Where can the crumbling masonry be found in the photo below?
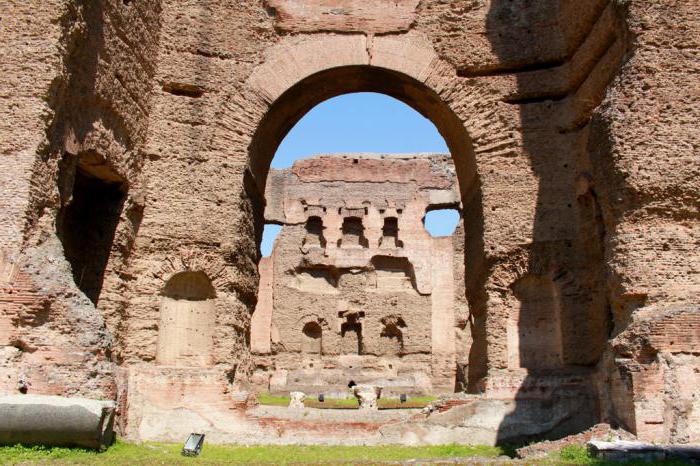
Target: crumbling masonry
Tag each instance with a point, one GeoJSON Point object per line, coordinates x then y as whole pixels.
{"type": "Point", "coordinates": [136, 140]}
{"type": "Point", "coordinates": [359, 292]}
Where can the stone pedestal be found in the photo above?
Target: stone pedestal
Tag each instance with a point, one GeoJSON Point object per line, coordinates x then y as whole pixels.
{"type": "Point", "coordinates": [367, 395]}
{"type": "Point", "coordinates": [296, 400]}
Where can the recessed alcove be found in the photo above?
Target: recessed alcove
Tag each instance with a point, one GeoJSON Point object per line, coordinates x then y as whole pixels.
{"type": "Point", "coordinates": [314, 232]}
{"type": "Point", "coordinates": [312, 338]}
{"type": "Point", "coordinates": [351, 333]}
{"type": "Point", "coordinates": [393, 274]}
{"type": "Point", "coordinates": [318, 280]}
{"type": "Point", "coordinates": [535, 334]}
{"type": "Point", "coordinates": [390, 233]}
{"type": "Point", "coordinates": [88, 222]}
{"type": "Point", "coordinates": [353, 233]}
{"type": "Point", "coordinates": [187, 321]}
{"type": "Point", "coordinates": [392, 336]}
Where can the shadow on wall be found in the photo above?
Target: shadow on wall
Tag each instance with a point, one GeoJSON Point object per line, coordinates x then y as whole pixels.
{"type": "Point", "coordinates": [87, 224]}
{"type": "Point", "coordinates": [559, 329]}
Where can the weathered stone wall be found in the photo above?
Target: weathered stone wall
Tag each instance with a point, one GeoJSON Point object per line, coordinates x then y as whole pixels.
{"type": "Point", "coordinates": [374, 303]}
{"type": "Point", "coordinates": [641, 153]}
{"type": "Point", "coordinates": [574, 155]}
{"type": "Point", "coordinates": [78, 90]}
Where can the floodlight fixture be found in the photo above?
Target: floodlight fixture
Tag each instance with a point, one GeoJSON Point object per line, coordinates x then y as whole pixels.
{"type": "Point", "coordinates": [193, 445]}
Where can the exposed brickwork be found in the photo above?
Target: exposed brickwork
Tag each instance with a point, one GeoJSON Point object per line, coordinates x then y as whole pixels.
{"type": "Point", "coordinates": [375, 307]}
{"type": "Point", "coordinates": [572, 127]}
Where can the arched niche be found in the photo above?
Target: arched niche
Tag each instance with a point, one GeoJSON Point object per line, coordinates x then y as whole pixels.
{"type": "Point", "coordinates": [534, 333]}
{"type": "Point", "coordinates": [187, 320]}
{"type": "Point", "coordinates": [312, 338]}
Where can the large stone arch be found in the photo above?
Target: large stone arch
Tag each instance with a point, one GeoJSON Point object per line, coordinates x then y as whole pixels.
{"type": "Point", "coordinates": [301, 72]}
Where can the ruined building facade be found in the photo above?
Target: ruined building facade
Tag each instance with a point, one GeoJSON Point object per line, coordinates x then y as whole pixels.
{"type": "Point", "coordinates": [356, 289]}
{"type": "Point", "coordinates": [135, 143]}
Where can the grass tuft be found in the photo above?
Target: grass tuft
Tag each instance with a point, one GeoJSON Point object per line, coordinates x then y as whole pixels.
{"type": "Point", "coordinates": [576, 454]}
{"type": "Point", "coordinates": [270, 400]}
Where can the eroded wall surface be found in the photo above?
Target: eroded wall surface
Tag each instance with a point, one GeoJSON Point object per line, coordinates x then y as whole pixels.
{"type": "Point", "coordinates": [360, 291]}
{"type": "Point", "coordinates": [572, 126]}
{"type": "Point", "coordinates": [75, 113]}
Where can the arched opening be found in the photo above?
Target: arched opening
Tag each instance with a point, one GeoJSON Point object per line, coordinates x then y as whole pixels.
{"type": "Point", "coordinates": [353, 228]}
{"type": "Point", "coordinates": [441, 222]}
{"type": "Point", "coordinates": [187, 321]}
{"type": "Point", "coordinates": [312, 339]}
{"type": "Point", "coordinates": [286, 111]}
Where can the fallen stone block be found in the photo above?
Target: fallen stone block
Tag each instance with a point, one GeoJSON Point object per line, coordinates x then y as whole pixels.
{"type": "Point", "coordinates": [482, 421]}
{"type": "Point", "coordinates": [599, 431]}
{"type": "Point", "coordinates": [56, 421]}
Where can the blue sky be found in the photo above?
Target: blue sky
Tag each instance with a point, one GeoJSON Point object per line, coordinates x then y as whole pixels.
{"type": "Point", "coordinates": [361, 122]}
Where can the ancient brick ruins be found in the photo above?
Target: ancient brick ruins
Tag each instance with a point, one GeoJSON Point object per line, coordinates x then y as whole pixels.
{"type": "Point", "coordinates": [357, 290]}
{"type": "Point", "coordinates": [136, 142]}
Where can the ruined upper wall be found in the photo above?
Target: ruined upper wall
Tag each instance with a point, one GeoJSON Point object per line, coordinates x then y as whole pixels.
{"type": "Point", "coordinates": [354, 262]}
{"type": "Point", "coordinates": [371, 188]}
{"type": "Point", "coordinates": [353, 179]}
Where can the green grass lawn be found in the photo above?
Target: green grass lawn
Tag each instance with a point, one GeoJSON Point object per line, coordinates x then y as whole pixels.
{"type": "Point", "coordinates": [127, 454]}
{"type": "Point", "coordinates": [333, 403]}
{"type": "Point", "coordinates": [123, 453]}
{"type": "Point", "coordinates": [269, 400]}
{"type": "Point", "coordinates": [329, 403]}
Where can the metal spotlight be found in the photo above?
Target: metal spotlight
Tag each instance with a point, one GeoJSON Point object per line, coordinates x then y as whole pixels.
{"type": "Point", "coordinates": [193, 445]}
{"type": "Point", "coordinates": [403, 397]}
{"type": "Point", "coordinates": [321, 398]}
